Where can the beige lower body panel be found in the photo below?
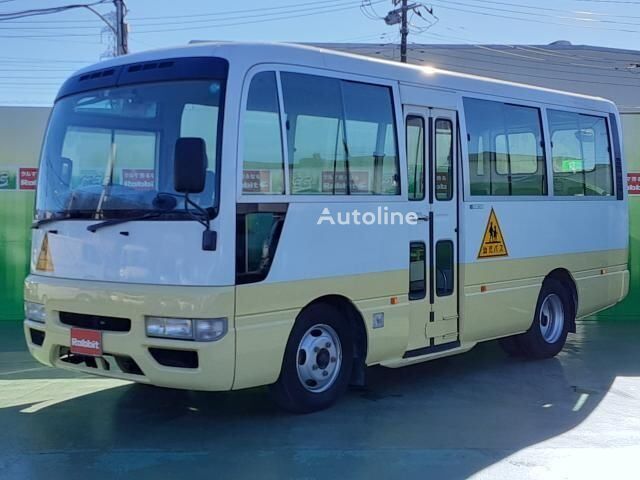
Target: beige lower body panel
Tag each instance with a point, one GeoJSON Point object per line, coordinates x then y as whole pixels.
{"type": "Point", "coordinates": [500, 295]}
{"type": "Point", "coordinates": [266, 312]}
{"type": "Point", "coordinates": [498, 298]}
{"type": "Point", "coordinates": [216, 359]}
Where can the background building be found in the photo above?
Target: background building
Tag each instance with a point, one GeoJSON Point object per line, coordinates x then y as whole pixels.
{"type": "Point", "coordinates": [603, 72]}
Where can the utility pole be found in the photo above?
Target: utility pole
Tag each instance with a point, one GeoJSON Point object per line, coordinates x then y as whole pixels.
{"type": "Point", "coordinates": [400, 16]}
{"type": "Point", "coordinates": [404, 32]}
{"type": "Point", "coordinates": [122, 43]}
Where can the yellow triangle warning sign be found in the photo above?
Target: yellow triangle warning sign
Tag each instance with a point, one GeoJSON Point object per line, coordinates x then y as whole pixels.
{"type": "Point", "coordinates": [493, 244]}
{"type": "Point", "coordinates": [45, 264]}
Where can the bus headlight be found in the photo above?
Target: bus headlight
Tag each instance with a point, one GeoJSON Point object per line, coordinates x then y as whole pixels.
{"type": "Point", "coordinates": [200, 329]}
{"type": "Point", "coordinates": [35, 312]}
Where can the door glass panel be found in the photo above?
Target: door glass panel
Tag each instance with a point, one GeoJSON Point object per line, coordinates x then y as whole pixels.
{"type": "Point", "coordinates": [444, 159]}
{"type": "Point", "coordinates": [417, 269]}
{"type": "Point", "coordinates": [444, 268]}
{"type": "Point", "coordinates": [415, 157]}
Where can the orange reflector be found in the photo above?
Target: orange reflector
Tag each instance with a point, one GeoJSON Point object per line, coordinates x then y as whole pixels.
{"type": "Point", "coordinates": [483, 288]}
{"type": "Point", "coordinates": [395, 300]}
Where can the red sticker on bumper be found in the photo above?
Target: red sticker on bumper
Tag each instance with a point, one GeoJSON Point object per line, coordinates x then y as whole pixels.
{"type": "Point", "coordinates": [86, 342]}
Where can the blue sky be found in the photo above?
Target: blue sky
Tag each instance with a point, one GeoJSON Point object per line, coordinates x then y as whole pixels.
{"type": "Point", "coordinates": [38, 53]}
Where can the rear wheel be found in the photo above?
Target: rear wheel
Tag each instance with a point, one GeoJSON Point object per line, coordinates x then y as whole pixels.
{"type": "Point", "coordinates": [554, 314]}
{"type": "Point", "coordinates": [317, 362]}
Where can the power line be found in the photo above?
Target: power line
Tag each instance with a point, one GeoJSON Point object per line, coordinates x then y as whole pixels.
{"type": "Point", "coordinates": [244, 11]}
{"type": "Point", "coordinates": [289, 10]}
{"type": "Point", "coordinates": [203, 15]}
{"type": "Point", "coordinates": [544, 15]}
{"type": "Point", "coordinates": [550, 9]}
{"type": "Point", "coordinates": [262, 20]}
{"type": "Point", "coordinates": [628, 2]}
{"type": "Point", "coordinates": [47, 11]}
{"type": "Point", "coordinates": [531, 20]}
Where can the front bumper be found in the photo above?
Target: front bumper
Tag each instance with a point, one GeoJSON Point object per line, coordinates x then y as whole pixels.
{"type": "Point", "coordinates": [215, 360]}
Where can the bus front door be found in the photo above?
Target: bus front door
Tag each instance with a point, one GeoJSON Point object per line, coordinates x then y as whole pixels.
{"type": "Point", "coordinates": [431, 158]}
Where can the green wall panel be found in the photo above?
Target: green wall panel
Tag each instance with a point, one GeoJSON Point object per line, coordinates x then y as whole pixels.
{"type": "Point", "coordinates": [630, 306]}
{"type": "Point", "coordinates": [16, 210]}
{"type": "Point", "coordinates": [21, 134]}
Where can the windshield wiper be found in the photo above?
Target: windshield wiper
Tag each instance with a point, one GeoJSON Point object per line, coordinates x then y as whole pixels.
{"type": "Point", "coordinates": [44, 221]}
{"type": "Point", "coordinates": [116, 221]}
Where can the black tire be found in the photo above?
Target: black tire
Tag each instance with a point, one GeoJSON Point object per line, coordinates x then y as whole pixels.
{"type": "Point", "coordinates": [289, 392]}
{"type": "Point", "coordinates": [511, 346]}
{"type": "Point", "coordinates": [532, 343]}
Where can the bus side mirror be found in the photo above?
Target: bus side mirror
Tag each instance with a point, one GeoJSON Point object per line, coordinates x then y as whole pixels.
{"type": "Point", "coordinates": [190, 165]}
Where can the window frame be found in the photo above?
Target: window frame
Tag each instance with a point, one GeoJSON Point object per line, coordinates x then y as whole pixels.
{"type": "Point", "coordinates": [543, 106]}
{"type": "Point", "coordinates": [240, 142]}
{"type": "Point", "coordinates": [288, 197]}
{"type": "Point", "coordinates": [540, 108]}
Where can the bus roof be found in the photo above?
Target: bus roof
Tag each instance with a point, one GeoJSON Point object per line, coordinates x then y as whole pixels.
{"type": "Point", "coordinates": [249, 54]}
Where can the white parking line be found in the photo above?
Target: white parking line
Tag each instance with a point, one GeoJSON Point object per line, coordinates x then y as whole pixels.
{"type": "Point", "coordinates": [13, 372]}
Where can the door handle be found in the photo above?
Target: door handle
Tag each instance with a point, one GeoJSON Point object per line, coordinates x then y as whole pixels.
{"type": "Point", "coordinates": [422, 217]}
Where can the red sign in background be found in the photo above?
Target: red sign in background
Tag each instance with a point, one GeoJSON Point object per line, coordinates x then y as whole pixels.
{"type": "Point", "coordinates": [256, 181]}
{"type": "Point", "coordinates": [27, 178]}
{"type": "Point", "coordinates": [139, 178]}
{"type": "Point", "coordinates": [633, 183]}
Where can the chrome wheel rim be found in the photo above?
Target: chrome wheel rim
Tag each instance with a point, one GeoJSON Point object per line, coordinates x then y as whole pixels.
{"type": "Point", "coordinates": [319, 358]}
{"type": "Point", "coordinates": [551, 318]}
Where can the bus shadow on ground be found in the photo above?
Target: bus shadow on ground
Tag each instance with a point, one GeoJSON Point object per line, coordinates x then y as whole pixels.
{"type": "Point", "coordinates": [448, 418]}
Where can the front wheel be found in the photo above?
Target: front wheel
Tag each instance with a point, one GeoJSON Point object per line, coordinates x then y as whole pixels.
{"type": "Point", "coordinates": [554, 314]}
{"type": "Point", "coordinates": [317, 362]}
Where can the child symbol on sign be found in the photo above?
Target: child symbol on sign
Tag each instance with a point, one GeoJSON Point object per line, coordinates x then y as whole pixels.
{"type": "Point", "coordinates": [493, 232]}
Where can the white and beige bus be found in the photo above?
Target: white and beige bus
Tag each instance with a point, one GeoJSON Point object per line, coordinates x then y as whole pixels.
{"type": "Point", "coordinates": [224, 216]}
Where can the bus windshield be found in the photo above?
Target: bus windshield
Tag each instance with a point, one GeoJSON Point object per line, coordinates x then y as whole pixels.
{"type": "Point", "coordinates": [109, 153]}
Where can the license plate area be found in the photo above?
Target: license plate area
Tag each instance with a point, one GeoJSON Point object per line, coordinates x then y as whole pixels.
{"type": "Point", "coordinates": [86, 342]}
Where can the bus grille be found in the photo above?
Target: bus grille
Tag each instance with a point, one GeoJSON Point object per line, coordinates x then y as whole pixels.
{"type": "Point", "coordinates": [95, 322]}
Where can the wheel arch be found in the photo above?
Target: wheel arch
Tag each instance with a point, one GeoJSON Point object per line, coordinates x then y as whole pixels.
{"type": "Point", "coordinates": [566, 279]}
{"type": "Point", "coordinates": [358, 329]}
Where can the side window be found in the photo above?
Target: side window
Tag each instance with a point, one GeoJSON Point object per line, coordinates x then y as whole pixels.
{"type": "Point", "coordinates": [340, 136]}
{"type": "Point", "coordinates": [372, 156]}
{"type": "Point", "coordinates": [581, 152]}
{"type": "Point", "coordinates": [444, 159]}
{"type": "Point", "coordinates": [257, 238]}
{"type": "Point", "coordinates": [415, 157]}
{"type": "Point", "coordinates": [417, 271]}
{"type": "Point", "coordinates": [263, 163]}
{"type": "Point", "coordinates": [444, 268]}
{"type": "Point", "coordinates": [506, 149]}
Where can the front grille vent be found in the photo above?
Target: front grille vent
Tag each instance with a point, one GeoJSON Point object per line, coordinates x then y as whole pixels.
{"type": "Point", "coordinates": [95, 322]}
